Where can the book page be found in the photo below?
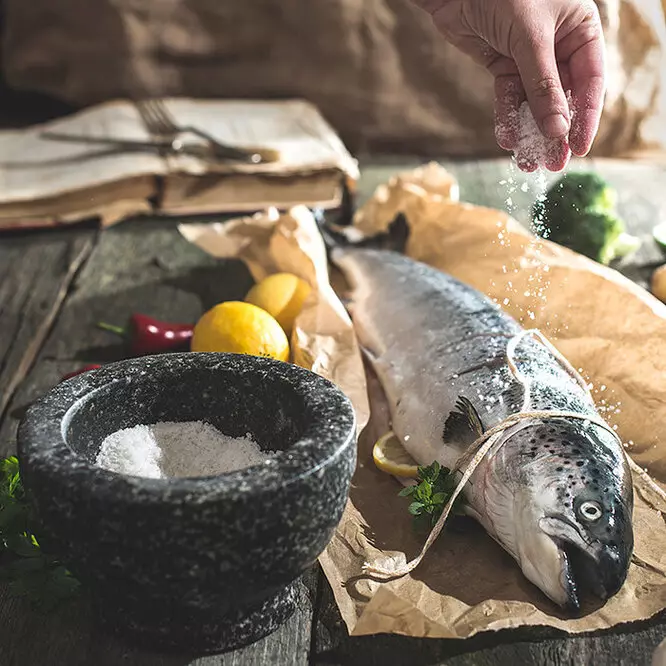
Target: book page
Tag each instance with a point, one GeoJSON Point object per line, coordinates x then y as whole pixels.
{"type": "Point", "coordinates": [32, 167]}
{"type": "Point", "coordinates": [295, 128]}
{"type": "Point", "coordinates": [234, 193]}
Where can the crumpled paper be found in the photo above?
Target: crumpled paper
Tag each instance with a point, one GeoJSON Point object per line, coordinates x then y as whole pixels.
{"type": "Point", "coordinates": [608, 327]}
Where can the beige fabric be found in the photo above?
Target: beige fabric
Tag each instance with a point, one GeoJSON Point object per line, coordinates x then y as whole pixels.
{"type": "Point", "coordinates": [377, 68]}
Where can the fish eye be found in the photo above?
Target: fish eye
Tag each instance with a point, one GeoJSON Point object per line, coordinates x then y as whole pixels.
{"type": "Point", "coordinates": [590, 511]}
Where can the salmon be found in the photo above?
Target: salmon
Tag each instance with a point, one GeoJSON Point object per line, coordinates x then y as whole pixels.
{"type": "Point", "coordinates": [555, 493]}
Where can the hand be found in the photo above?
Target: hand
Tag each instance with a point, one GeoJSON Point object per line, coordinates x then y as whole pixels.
{"type": "Point", "coordinates": [536, 50]}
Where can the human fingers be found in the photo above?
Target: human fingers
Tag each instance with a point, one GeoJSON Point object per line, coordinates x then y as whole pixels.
{"type": "Point", "coordinates": [514, 131]}
{"type": "Point", "coordinates": [534, 54]}
{"type": "Point", "coordinates": [509, 95]}
{"type": "Point", "coordinates": [584, 50]}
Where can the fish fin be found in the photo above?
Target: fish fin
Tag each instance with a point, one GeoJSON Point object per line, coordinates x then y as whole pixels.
{"type": "Point", "coordinates": [499, 502]}
{"type": "Point", "coordinates": [473, 513]}
{"type": "Point", "coordinates": [464, 424]}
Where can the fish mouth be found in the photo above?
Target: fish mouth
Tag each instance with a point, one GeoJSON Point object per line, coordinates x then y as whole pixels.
{"type": "Point", "coordinates": [587, 569]}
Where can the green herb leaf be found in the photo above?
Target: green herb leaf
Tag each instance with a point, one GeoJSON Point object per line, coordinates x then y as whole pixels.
{"type": "Point", "coordinates": [434, 489]}
{"type": "Point", "coordinates": [9, 467]}
{"type": "Point", "coordinates": [440, 498]}
{"type": "Point", "coordinates": [13, 517]}
{"type": "Point", "coordinates": [29, 572]}
{"type": "Point", "coordinates": [22, 545]}
{"type": "Point", "coordinates": [415, 508]}
{"type": "Point", "coordinates": [26, 565]}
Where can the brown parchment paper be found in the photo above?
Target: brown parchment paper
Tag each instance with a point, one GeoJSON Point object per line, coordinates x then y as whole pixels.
{"type": "Point", "coordinates": [607, 326]}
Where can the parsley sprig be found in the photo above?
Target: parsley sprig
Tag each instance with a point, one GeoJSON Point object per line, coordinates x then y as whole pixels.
{"type": "Point", "coordinates": [434, 487]}
{"type": "Point", "coordinates": [28, 570]}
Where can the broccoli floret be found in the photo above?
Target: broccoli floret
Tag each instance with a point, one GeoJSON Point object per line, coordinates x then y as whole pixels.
{"type": "Point", "coordinates": [579, 212]}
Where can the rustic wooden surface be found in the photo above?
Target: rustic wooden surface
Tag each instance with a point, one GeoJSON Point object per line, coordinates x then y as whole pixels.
{"type": "Point", "coordinates": [54, 286]}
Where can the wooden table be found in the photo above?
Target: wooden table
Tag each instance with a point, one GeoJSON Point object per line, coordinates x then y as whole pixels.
{"type": "Point", "coordinates": [55, 285]}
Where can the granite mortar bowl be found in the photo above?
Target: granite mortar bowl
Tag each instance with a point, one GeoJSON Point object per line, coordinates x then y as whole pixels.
{"type": "Point", "coordinates": [204, 564]}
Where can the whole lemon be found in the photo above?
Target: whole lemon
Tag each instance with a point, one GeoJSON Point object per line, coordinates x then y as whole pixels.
{"type": "Point", "coordinates": [240, 328]}
{"type": "Point", "coordinates": [282, 295]}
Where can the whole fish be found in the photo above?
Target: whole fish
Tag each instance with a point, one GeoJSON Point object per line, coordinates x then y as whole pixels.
{"type": "Point", "coordinates": [556, 493]}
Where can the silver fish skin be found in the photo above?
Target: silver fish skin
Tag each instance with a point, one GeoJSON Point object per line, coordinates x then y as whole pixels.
{"type": "Point", "coordinates": [554, 493]}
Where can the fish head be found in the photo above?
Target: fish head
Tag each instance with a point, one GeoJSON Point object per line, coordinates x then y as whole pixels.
{"type": "Point", "coordinates": [573, 509]}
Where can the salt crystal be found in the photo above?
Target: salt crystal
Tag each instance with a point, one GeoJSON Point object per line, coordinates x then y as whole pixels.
{"type": "Point", "coordinates": [166, 449]}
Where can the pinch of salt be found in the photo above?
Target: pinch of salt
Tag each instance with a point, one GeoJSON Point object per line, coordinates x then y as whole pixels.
{"type": "Point", "coordinates": [533, 149]}
{"type": "Point", "coordinates": [166, 449]}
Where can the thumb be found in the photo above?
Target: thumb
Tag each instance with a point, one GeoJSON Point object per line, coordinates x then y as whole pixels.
{"type": "Point", "coordinates": [538, 71]}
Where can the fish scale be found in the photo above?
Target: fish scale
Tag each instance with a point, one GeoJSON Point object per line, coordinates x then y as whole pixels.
{"type": "Point", "coordinates": [556, 493]}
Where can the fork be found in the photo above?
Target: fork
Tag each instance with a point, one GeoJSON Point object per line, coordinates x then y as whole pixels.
{"type": "Point", "coordinates": [160, 122]}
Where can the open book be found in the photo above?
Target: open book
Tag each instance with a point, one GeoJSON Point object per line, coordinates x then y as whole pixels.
{"type": "Point", "coordinates": [45, 182]}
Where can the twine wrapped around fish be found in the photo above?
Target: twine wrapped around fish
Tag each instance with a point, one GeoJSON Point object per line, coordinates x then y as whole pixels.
{"type": "Point", "coordinates": [483, 444]}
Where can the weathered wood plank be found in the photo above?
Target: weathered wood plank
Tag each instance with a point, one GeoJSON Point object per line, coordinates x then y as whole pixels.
{"type": "Point", "coordinates": [35, 277]}
{"type": "Point", "coordinates": [70, 638]}
{"type": "Point", "coordinates": [143, 266]}
{"type": "Point", "coordinates": [523, 647]}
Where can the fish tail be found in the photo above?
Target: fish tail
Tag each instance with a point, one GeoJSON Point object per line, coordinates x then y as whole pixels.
{"type": "Point", "coordinates": [334, 236]}
{"type": "Point", "coordinates": [347, 237]}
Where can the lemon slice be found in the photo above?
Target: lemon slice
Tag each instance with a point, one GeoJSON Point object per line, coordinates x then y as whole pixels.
{"type": "Point", "coordinates": [391, 457]}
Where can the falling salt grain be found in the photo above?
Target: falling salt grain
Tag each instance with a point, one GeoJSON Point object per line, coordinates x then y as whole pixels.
{"type": "Point", "coordinates": [165, 449]}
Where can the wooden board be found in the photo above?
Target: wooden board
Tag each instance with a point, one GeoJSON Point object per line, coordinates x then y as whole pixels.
{"type": "Point", "coordinates": [54, 287]}
{"type": "Point", "coordinates": [146, 267]}
{"type": "Point", "coordinates": [35, 279]}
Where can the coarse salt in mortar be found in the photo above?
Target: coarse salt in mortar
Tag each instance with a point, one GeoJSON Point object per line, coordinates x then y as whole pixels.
{"type": "Point", "coordinates": [187, 449]}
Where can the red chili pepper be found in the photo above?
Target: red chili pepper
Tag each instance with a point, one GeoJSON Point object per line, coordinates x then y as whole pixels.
{"type": "Point", "coordinates": [151, 336]}
{"type": "Point", "coordinates": [80, 371]}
